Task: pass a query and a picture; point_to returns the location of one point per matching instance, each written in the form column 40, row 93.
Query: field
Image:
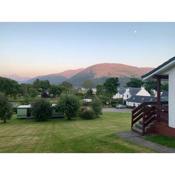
column 62, row 136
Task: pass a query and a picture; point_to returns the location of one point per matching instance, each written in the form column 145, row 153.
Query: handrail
column 146, row 111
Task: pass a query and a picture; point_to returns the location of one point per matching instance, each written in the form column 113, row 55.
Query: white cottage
column 135, row 91
column 158, row 117
column 127, row 93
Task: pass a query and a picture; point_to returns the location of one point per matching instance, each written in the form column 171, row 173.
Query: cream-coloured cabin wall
column 171, row 98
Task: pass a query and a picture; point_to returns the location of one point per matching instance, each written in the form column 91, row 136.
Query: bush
column 115, row 102
column 87, row 113
column 6, row 110
column 41, row 110
column 97, row 106
column 70, row 105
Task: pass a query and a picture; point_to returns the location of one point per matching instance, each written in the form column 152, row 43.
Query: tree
column 88, row 84
column 89, row 93
column 100, row 89
column 43, row 84
column 5, row 108
column 66, row 87
column 135, row 82
column 70, row 105
column 164, row 87
column 55, row 90
column 41, row 110
column 9, row 87
column 150, row 85
column 110, row 86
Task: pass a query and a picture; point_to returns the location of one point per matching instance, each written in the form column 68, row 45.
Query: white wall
column 127, row 94
column 132, row 104
column 117, row 96
column 171, row 98
column 143, row 92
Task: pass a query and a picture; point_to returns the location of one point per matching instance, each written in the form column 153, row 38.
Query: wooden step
column 138, row 130
column 138, row 125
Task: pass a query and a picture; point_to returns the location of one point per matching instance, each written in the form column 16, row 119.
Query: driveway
column 116, row 110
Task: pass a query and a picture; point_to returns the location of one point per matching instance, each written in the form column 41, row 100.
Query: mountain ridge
column 97, row 73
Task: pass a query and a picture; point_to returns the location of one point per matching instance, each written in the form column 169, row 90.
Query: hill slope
column 56, row 78
column 97, row 73
column 102, row 71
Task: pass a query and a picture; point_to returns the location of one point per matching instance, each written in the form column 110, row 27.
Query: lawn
column 163, row 140
column 62, row 136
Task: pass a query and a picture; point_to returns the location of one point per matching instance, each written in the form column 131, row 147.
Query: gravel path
column 116, row 110
column 139, row 140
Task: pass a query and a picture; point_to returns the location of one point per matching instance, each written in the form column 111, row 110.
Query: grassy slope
column 163, row 140
column 59, row 135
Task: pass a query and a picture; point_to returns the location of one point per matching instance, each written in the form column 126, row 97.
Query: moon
column 135, row 31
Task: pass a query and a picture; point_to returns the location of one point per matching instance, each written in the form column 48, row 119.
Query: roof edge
column 152, row 72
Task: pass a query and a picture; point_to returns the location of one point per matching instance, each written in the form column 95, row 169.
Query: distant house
column 94, row 91
column 120, row 93
column 128, row 93
column 138, row 99
column 164, row 96
column 82, row 90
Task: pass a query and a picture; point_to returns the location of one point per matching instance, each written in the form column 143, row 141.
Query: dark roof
column 159, row 67
column 164, row 94
column 141, row 99
column 121, row 90
column 134, row 91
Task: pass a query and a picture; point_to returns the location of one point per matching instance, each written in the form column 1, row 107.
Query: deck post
column 158, row 96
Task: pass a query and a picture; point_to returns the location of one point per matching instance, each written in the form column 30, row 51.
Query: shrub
column 97, row 106
column 87, row 113
column 70, row 105
column 115, row 102
column 41, row 110
column 6, row 110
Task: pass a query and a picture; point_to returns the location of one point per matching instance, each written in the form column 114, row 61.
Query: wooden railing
column 147, row 112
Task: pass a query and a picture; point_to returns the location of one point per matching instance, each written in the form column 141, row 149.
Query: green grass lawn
column 163, row 140
column 62, row 136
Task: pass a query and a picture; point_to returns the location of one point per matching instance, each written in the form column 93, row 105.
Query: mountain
column 70, row 73
column 97, row 73
column 58, row 77
column 102, row 71
column 19, row 79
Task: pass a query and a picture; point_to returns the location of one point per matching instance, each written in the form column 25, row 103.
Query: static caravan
column 56, row 112
column 24, row 111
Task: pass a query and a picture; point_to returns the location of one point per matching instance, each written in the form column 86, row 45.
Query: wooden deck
column 149, row 117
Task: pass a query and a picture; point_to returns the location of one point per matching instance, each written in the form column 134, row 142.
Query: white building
column 130, row 92
column 159, row 115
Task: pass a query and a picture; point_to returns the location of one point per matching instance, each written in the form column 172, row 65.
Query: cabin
column 157, row 117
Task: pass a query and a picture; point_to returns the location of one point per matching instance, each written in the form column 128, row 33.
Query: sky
column 31, row 49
